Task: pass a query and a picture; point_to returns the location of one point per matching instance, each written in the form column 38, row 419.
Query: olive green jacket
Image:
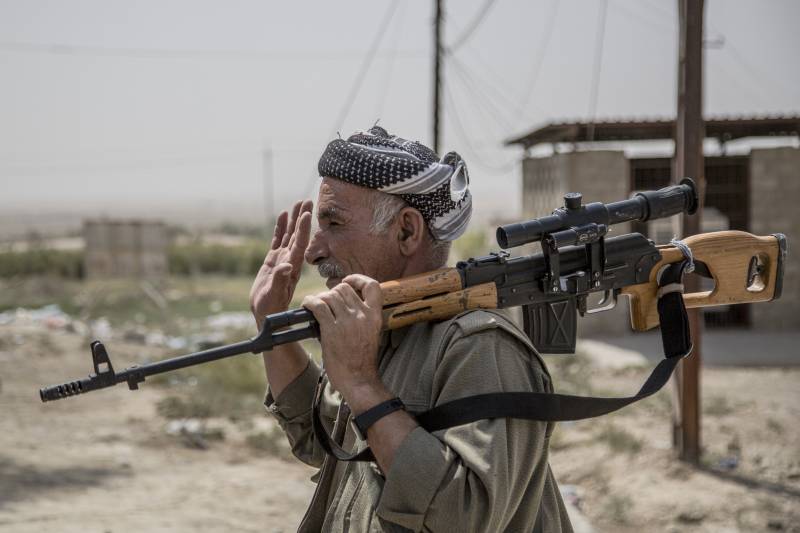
column 490, row 475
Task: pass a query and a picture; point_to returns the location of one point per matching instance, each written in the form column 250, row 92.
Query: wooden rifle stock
column 433, row 295
column 744, row 267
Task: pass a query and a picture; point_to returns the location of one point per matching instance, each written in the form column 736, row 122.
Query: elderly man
column 388, row 208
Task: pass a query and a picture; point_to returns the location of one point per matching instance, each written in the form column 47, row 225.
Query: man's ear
column 410, row 230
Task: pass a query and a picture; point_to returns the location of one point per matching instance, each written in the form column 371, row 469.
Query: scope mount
column 590, row 235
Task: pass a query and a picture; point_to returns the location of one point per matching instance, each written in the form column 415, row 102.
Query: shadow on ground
column 20, row 482
column 752, row 482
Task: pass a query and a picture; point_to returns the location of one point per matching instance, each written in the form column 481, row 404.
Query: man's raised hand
column 277, row 278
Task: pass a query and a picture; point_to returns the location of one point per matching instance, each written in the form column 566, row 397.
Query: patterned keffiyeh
column 438, row 188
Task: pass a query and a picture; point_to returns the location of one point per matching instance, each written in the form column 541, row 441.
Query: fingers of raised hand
column 280, row 230
column 368, row 289
column 299, row 241
column 292, row 222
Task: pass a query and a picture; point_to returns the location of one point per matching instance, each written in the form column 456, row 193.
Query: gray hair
column 385, row 208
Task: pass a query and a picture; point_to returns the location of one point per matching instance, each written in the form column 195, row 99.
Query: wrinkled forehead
column 342, row 198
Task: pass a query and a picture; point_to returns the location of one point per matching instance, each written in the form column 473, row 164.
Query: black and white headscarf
column 438, row 188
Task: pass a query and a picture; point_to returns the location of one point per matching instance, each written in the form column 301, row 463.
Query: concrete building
column 758, row 192
column 125, row 248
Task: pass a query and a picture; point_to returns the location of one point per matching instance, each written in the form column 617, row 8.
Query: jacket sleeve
column 472, row 477
column 292, row 410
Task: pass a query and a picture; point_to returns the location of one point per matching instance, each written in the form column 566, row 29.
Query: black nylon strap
column 365, row 420
column 541, row 406
column 328, row 444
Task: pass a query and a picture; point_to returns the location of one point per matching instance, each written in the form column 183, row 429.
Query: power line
column 659, row 5
column 129, row 165
column 537, row 64
column 598, row 60
column 392, row 55
column 753, row 91
column 515, row 100
column 630, row 12
column 520, row 104
column 498, row 92
column 487, row 104
column 481, row 101
column 452, row 113
column 359, row 79
column 753, row 72
column 477, row 20
column 163, row 53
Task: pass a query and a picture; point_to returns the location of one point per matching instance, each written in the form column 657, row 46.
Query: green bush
column 197, row 258
column 42, row 261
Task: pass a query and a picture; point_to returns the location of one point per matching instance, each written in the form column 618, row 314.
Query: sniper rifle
column 552, row 287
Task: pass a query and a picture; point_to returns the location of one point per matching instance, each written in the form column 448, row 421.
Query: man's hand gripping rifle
column 552, row 287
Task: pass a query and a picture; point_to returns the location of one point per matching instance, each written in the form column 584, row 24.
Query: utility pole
column 437, row 74
column 689, row 135
column 269, row 189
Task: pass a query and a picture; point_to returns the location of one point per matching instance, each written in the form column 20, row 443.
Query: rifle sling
column 541, row 406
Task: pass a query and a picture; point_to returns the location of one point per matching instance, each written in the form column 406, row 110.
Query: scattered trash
column 184, row 425
column 176, row 343
column 50, row 316
column 78, row 328
column 101, row 328
column 728, row 463
column 213, row 333
column 193, row 433
column 137, row 335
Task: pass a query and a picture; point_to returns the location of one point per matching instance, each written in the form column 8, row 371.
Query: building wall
column 125, row 248
column 600, row 176
column 775, row 208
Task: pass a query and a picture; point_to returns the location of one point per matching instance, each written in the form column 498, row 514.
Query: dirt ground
column 105, row 462
column 625, row 473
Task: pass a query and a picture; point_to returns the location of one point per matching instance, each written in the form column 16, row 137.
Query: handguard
column 745, row 269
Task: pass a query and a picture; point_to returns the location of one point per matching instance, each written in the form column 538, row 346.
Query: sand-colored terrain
column 104, row 462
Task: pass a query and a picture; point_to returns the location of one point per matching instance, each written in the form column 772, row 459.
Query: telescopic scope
column 643, row 206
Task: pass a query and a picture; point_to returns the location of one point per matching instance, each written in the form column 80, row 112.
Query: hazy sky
column 165, row 107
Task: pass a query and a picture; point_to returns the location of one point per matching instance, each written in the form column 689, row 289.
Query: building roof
column 723, row 128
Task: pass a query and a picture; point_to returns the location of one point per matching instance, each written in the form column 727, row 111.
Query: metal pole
column 437, row 74
column 689, row 135
column 269, row 189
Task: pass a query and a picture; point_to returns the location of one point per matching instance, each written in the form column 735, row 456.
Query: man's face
column 343, row 244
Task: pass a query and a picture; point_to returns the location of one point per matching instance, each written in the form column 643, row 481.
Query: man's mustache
column 329, row 269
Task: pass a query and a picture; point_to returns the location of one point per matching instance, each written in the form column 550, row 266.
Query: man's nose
column 317, row 249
